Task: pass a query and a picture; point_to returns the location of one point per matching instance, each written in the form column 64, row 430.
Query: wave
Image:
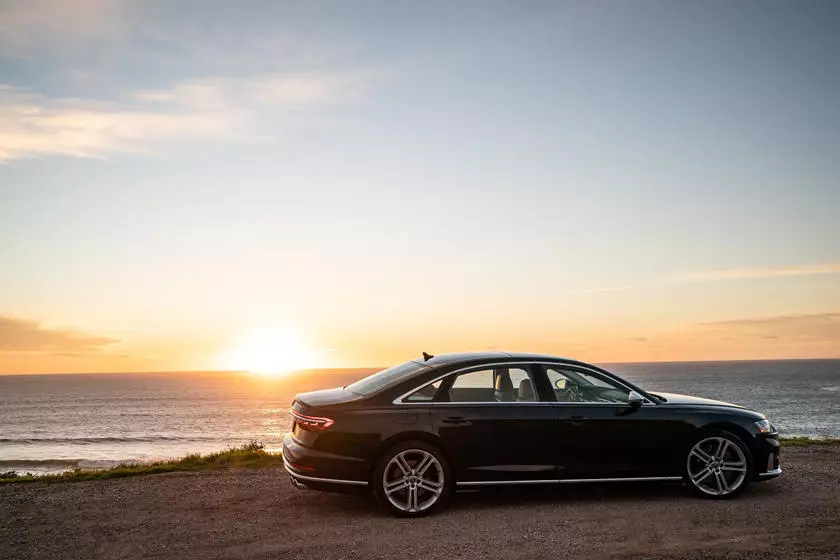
column 94, row 440
column 832, row 389
column 40, row 462
column 49, row 466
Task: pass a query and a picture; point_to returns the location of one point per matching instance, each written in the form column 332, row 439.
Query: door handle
column 577, row 420
column 454, row 420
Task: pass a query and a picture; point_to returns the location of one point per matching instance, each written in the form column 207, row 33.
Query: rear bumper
column 311, row 467
column 305, row 480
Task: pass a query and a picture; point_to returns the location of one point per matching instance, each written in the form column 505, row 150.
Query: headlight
column 764, row 426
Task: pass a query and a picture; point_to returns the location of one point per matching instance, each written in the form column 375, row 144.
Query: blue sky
column 606, row 177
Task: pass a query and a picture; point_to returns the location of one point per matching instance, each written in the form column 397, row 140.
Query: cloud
column 24, row 24
column 22, row 335
column 33, row 125
column 724, row 275
column 823, row 326
column 268, row 90
column 814, row 335
column 739, row 273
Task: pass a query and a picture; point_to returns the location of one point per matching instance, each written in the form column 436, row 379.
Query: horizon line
column 297, row 371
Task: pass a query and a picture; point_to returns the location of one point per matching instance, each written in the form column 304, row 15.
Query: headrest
column 526, row 391
column 503, row 384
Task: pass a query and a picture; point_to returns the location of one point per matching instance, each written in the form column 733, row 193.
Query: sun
column 270, row 352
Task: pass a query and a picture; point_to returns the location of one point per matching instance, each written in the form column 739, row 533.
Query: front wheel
column 412, row 479
column 718, row 465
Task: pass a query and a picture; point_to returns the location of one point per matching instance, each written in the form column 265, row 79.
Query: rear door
column 495, row 425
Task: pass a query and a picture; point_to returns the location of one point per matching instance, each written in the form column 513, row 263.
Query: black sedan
column 415, row 432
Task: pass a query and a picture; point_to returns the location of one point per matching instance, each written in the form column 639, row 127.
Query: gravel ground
column 257, row 514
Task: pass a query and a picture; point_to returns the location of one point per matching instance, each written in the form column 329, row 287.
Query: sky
column 611, row 181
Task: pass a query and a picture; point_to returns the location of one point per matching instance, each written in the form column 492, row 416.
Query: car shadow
column 493, row 497
column 500, row 497
column 497, row 497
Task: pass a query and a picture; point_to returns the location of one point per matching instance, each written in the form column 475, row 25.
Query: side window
column 424, row 394
column 473, row 386
column 523, row 386
column 501, row 384
column 581, row 386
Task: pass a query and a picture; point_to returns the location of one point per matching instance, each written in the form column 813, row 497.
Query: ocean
column 52, row 423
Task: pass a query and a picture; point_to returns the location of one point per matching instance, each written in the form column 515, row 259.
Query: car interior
column 493, row 385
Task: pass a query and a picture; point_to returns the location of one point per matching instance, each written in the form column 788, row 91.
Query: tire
column 412, row 479
column 718, row 465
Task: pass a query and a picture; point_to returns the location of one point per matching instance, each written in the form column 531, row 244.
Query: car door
column 600, row 435
column 495, row 425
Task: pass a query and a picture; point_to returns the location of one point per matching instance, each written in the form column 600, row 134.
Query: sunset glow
column 271, row 352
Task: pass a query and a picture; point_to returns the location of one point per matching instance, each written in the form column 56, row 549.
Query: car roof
column 487, row 356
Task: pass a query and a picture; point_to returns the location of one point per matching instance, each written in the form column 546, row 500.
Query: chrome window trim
column 572, row 480
column 319, row 479
column 399, row 400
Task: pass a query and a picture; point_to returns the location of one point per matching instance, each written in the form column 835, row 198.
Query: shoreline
column 250, row 455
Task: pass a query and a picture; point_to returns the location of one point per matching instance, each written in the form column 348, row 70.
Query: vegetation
column 800, row 441
column 250, row 455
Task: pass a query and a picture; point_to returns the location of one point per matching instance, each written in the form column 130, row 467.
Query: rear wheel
column 412, row 479
column 718, row 465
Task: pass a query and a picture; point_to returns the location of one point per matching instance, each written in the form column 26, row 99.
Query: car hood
column 676, row 398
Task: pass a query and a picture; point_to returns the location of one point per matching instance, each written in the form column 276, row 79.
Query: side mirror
column 560, row 383
column 634, row 399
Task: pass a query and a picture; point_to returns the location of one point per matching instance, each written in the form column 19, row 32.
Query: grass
column 800, row 441
column 250, row 455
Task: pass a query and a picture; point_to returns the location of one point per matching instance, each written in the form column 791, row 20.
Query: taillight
column 312, row 423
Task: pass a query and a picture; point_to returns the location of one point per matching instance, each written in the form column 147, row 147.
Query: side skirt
column 573, row 481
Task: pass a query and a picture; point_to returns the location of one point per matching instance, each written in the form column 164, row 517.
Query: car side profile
column 414, row 433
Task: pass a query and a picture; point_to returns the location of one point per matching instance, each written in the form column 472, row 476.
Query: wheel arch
column 391, row 441
column 727, row 426
column 735, row 429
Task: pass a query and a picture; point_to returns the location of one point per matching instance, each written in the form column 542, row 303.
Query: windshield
column 385, row 378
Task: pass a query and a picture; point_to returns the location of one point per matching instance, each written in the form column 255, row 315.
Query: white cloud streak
column 739, row 273
column 724, row 275
column 34, row 126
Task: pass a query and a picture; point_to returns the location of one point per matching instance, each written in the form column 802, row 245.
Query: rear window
column 385, row 378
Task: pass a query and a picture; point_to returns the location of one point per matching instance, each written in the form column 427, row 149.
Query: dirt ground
column 258, row 514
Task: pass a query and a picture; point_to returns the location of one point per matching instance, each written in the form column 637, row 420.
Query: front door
column 599, row 435
column 495, row 426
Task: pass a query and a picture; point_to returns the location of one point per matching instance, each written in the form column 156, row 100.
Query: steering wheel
column 573, row 392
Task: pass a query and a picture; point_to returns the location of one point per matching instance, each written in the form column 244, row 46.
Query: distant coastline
column 336, row 370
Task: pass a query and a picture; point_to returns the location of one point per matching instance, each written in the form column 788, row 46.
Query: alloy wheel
column 413, row 480
column 717, row 466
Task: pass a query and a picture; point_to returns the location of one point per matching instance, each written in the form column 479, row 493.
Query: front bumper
column 770, row 474
column 766, row 456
